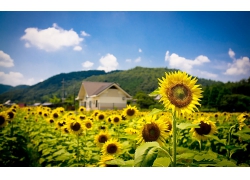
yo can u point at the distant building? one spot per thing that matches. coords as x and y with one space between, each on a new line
102 95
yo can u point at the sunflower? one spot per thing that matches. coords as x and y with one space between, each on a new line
55 114
75 126
105 159
111 147
60 124
207 127
152 130
130 131
167 119
101 116
101 138
88 124
50 120
81 109
3 119
130 111
243 120
179 93
116 119
81 117
11 114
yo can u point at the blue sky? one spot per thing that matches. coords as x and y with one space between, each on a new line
37 45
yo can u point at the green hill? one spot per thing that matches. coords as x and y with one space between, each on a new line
132 80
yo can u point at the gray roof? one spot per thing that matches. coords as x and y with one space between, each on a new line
95 88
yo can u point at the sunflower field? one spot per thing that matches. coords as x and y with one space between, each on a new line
176 136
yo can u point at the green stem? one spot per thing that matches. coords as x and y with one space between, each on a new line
167 154
174 141
229 139
77 150
200 144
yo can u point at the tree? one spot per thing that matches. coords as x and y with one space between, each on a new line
144 100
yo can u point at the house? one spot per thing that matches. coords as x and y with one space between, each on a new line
102 95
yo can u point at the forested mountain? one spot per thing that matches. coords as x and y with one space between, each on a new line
139 79
4 88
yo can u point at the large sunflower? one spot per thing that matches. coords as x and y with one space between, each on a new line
101 138
179 92
207 127
3 119
75 127
111 147
153 130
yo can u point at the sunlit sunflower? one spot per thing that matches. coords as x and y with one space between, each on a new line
101 138
55 114
179 92
207 127
81 117
130 111
105 159
243 120
45 114
3 119
168 120
75 126
81 109
111 147
109 119
153 130
101 116
50 120
88 124
116 119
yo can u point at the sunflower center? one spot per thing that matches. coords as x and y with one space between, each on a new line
101 117
88 125
2 120
111 148
55 115
11 114
60 124
204 128
150 132
116 119
130 112
51 120
180 95
102 139
75 126
66 130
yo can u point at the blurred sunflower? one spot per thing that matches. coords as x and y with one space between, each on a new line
109 119
104 160
81 109
111 147
116 119
243 120
101 116
130 131
168 120
101 138
3 119
50 120
81 117
55 114
60 124
207 127
88 124
153 130
11 114
179 92
130 111
75 127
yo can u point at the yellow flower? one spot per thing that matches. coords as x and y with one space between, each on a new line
243 120
75 127
88 124
153 130
101 138
130 111
179 92
104 159
207 127
81 109
3 119
111 147
116 119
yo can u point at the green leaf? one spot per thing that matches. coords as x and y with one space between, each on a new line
162 162
226 163
222 141
41 160
146 154
118 162
154 111
244 136
185 156
187 126
64 157
59 152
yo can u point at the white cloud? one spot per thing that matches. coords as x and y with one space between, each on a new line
175 61
51 39
231 53
138 60
5 60
87 65
77 48
108 63
14 79
239 67
83 33
206 74
140 50
128 60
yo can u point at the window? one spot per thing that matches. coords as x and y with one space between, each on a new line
96 103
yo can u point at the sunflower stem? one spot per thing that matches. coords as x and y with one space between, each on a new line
200 145
174 141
